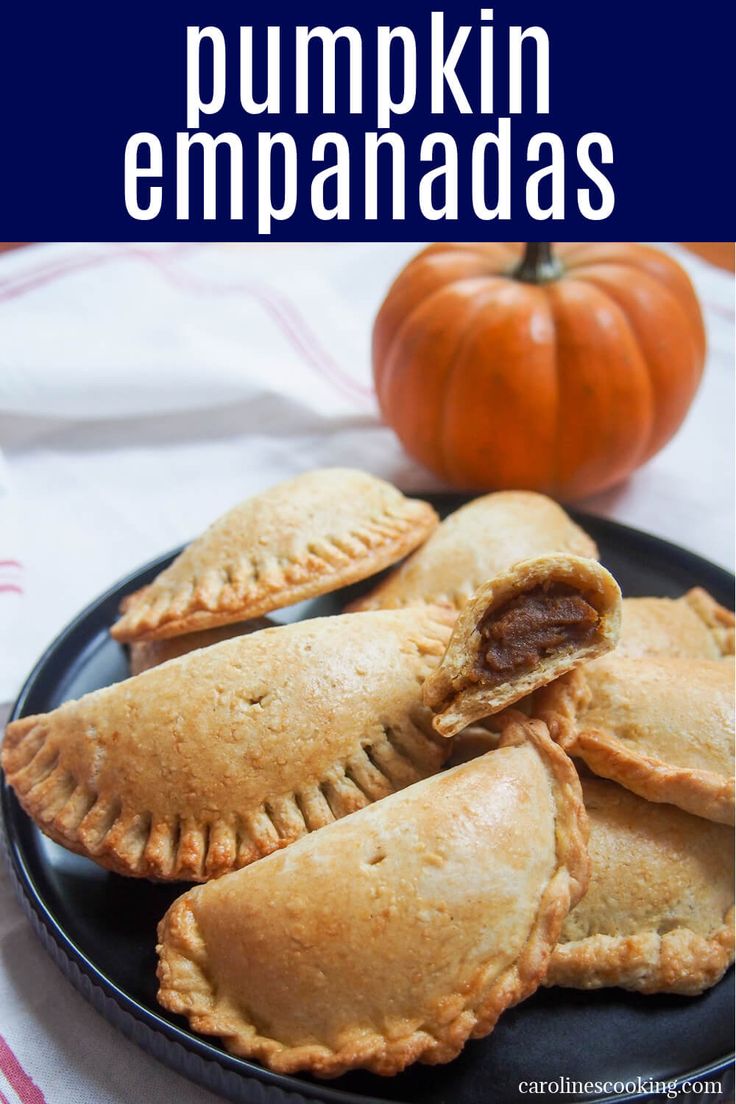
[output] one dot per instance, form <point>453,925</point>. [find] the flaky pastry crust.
<point>395,935</point>
<point>460,691</point>
<point>719,620</point>
<point>660,727</point>
<point>478,541</point>
<point>693,625</point>
<point>658,914</point>
<point>208,762</point>
<point>304,537</point>
<point>145,654</point>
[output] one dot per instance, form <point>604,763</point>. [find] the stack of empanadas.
<point>363,906</point>
<point>656,717</point>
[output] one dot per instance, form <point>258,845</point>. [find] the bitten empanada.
<point>307,536</point>
<point>475,543</point>
<point>145,654</point>
<point>519,631</point>
<point>658,914</point>
<point>210,761</point>
<point>395,935</point>
<point>661,727</point>
<point>694,625</point>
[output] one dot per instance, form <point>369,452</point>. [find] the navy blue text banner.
<point>243,121</point>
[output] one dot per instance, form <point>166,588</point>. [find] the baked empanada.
<point>658,914</point>
<point>694,625</point>
<point>307,536</point>
<point>210,761</point>
<point>661,727</point>
<point>475,543</point>
<point>519,631</point>
<point>718,619</point>
<point>145,654</point>
<point>395,935</point>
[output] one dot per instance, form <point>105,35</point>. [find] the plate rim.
<point>73,961</point>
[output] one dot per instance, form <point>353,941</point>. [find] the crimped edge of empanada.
<point>716,617</point>
<point>678,961</point>
<point>186,989</point>
<point>385,595</point>
<point>700,792</point>
<point>325,565</point>
<point>459,695</point>
<point>138,843</point>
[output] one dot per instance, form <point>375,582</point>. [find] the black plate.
<point>100,928</point>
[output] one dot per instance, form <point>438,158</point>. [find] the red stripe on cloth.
<point>52,270</point>
<point>27,1090</point>
<point>311,342</point>
<point>10,587</point>
<point>284,314</point>
<point>12,289</point>
<point>279,311</point>
<point>11,563</point>
<point>283,311</point>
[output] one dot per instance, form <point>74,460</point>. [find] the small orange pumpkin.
<point>512,365</point>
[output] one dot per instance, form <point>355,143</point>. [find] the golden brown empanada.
<point>719,619</point>
<point>661,727</point>
<point>658,914</point>
<point>145,654</point>
<point>475,543</point>
<point>694,625</point>
<point>395,935</point>
<point>210,761</point>
<point>519,631</point>
<point>307,536</point>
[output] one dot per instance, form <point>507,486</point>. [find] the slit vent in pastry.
<point>659,726</point>
<point>478,541</point>
<point>215,759</point>
<point>395,935</point>
<point>658,914</point>
<point>521,630</point>
<point>307,536</point>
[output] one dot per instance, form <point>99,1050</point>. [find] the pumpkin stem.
<point>538,265</point>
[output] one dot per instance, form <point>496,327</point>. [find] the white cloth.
<point>144,389</point>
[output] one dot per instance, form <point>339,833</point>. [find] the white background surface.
<point>143,391</point>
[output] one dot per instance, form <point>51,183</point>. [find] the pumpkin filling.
<point>522,632</point>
